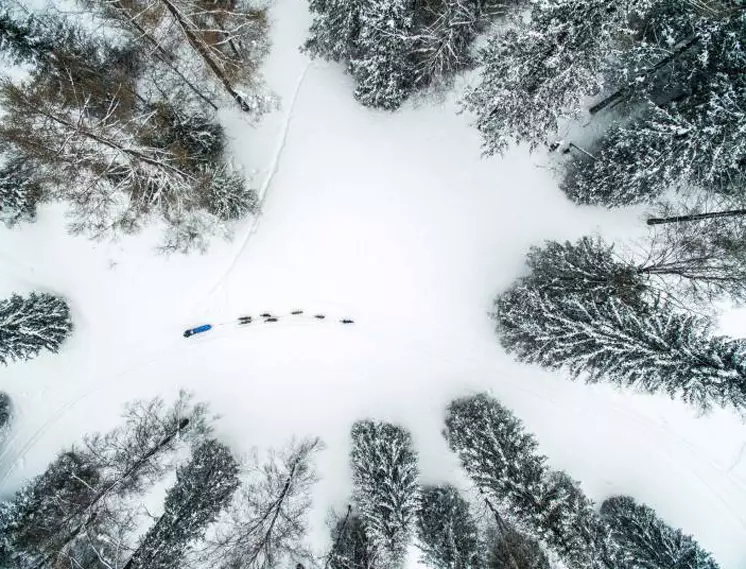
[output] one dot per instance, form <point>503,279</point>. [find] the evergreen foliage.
<point>30,324</point>
<point>502,460</point>
<point>37,521</point>
<point>511,549</point>
<point>385,491</point>
<point>6,412</point>
<point>540,70</point>
<point>447,533</point>
<point>203,489</point>
<point>20,191</point>
<point>351,549</point>
<point>691,140</point>
<point>393,47</point>
<point>654,349</point>
<point>587,267</point>
<point>648,542</point>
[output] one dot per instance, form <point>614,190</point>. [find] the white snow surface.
<point>393,220</point>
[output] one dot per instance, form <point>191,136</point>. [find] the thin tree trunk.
<point>339,537</point>
<point>183,424</point>
<point>624,91</point>
<point>503,528</point>
<point>197,44</point>
<point>696,216</point>
<point>166,57</point>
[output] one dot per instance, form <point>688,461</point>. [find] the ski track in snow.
<point>264,190</point>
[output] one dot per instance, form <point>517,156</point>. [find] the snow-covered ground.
<point>393,220</point>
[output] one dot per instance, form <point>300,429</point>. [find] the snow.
<point>393,220</point>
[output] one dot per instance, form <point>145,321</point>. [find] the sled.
<point>197,330</point>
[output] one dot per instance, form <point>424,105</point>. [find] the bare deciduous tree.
<point>265,526</point>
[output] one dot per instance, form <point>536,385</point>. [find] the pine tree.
<point>690,141</point>
<point>447,533</point>
<point>30,324</point>
<point>652,348</point>
<point>34,523</point>
<point>382,64</point>
<point>20,191</point>
<point>79,506</point>
<point>266,524</point>
<point>203,489</point>
<point>351,547</point>
<point>648,542</point>
<point>540,70</point>
<point>384,475</point>
<point>502,460</point>
<point>588,266</point>
<point>511,549</point>
<point>6,413</point>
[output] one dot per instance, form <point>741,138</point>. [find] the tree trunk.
<point>696,216</point>
<point>339,537</point>
<point>503,528</point>
<point>624,91</point>
<point>166,57</point>
<point>200,48</point>
<point>183,424</point>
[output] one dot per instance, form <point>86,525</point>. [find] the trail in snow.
<point>266,318</point>
<point>264,190</point>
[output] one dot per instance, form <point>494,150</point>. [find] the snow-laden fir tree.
<point>502,460</point>
<point>203,488</point>
<point>351,548</point>
<point>382,66</point>
<point>692,141</point>
<point>539,70</point>
<point>650,543</point>
<point>588,266</point>
<point>385,490</point>
<point>35,523</point>
<point>79,507</point>
<point>20,190</point>
<point>6,411</point>
<point>511,549</point>
<point>652,348</point>
<point>447,532</point>
<point>393,47</point>
<point>265,525</point>
<point>30,324</point>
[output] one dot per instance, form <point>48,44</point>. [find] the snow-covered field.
<point>392,220</point>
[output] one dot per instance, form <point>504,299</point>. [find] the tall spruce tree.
<point>652,348</point>
<point>203,489</point>
<point>385,491</point>
<point>502,460</point>
<point>351,547</point>
<point>6,412</point>
<point>20,190</point>
<point>392,48</point>
<point>650,543</point>
<point>539,70</point>
<point>510,549</point>
<point>588,267</point>
<point>33,323</point>
<point>693,140</point>
<point>35,522</point>
<point>446,531</point>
